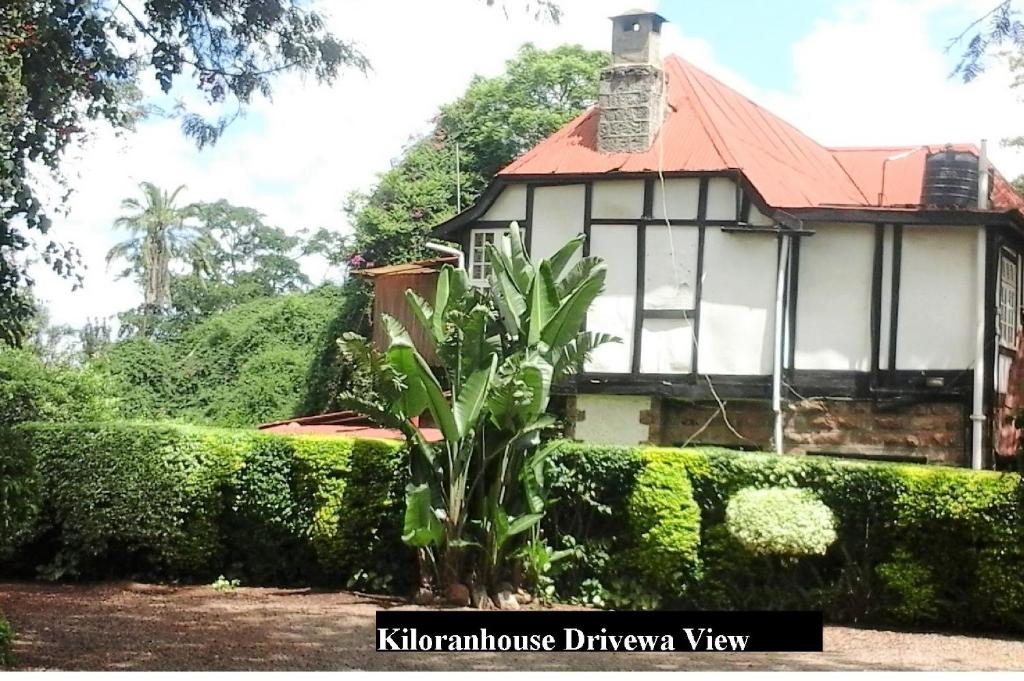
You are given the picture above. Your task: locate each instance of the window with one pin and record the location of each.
(1008, 300)
(479, 268)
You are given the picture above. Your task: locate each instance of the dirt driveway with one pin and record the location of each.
(127, 626)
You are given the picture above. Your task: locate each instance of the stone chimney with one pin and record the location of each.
(630, 95)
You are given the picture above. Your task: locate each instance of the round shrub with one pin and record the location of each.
(665, 521)
(780, 521)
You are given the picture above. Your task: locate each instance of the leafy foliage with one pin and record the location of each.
(997, 28)
(159, 236)
(66, 62)
(31, 390)
(121, 499)
(493, 122)
(6, 642)
(244, 366)
(915, 545)
(781, 522)
(666, 524)
(473, 495)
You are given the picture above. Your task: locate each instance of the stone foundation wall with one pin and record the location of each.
(936, 432)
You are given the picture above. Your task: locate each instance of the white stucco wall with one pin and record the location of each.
(833, 313)
(612, 312)
(721, 199)
(738, 306)
(612, 419)
(681, 198)
(937, 302)
(668, 287)
(557, 218)
(509, 205)
(618, 199)
(666, 346)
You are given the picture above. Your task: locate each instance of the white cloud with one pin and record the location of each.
(871, 76)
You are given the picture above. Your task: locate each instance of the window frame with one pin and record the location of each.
(1008, 281)
(472, 261)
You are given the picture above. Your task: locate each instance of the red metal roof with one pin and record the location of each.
(709, 127)
(342, 424)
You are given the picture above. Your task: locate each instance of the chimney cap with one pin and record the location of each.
(656, 18)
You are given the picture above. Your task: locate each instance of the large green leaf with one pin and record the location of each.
(424, 313)
(421, 526)
(567, 321)
(536, 373)
(397, 335)
(543, 303)
(578, 274)
(523, 523)
(521, 269)
(511, 303)
(440, 409)
(441, 296)
(412, 399)
(472, 396)
(574, 354)
(561, 258)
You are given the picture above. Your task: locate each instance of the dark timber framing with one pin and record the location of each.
(876, 302)
(641, 274)
(884, 386)
(894, 297)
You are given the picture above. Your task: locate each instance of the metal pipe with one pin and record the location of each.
(441, 248)
(780, 292)
(978, 401)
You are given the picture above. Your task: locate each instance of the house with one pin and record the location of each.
(770, 292)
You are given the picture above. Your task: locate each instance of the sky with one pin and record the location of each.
(848, 72)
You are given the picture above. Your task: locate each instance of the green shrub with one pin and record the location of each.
(241, 367)
(6, 642)
(910, 589)
(125, 499)
(780, 521)
(31, 390)
(920, 545)
(666, 523)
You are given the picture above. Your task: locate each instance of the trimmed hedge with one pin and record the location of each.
(923, 546)
(919, 546)
(122, 499)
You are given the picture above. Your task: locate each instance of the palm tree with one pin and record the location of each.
(159, 236)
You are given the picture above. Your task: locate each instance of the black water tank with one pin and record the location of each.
(951, 179)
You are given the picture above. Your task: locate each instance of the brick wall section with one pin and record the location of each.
(935, 431)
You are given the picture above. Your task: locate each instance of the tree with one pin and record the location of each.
(240, 258)
(474, 495)
(496, 120)
(159, 236)
(999, 27)
(66, 62)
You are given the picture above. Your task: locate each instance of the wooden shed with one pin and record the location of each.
(389, 286)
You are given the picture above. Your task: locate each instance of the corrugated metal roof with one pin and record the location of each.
(709, 127)
(342, 424)
(418, 267)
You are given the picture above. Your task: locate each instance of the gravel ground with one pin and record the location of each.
(129, 626)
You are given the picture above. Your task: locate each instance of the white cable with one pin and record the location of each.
(675, 265)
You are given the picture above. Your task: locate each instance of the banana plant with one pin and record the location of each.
(474, 495)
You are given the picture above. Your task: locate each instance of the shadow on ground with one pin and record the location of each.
(129, 626)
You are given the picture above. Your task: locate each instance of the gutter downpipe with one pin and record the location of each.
(448, 250)
(780, 290)
(978, 394)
